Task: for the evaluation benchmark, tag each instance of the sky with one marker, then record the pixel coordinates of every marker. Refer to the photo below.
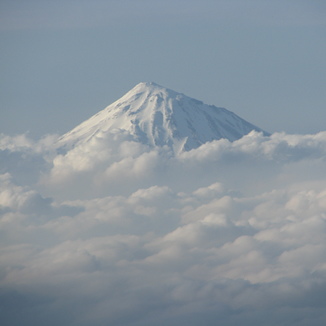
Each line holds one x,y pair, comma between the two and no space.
63,61
118,232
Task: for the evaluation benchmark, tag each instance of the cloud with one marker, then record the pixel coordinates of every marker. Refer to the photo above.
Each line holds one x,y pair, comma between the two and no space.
125,234
114,165
24,158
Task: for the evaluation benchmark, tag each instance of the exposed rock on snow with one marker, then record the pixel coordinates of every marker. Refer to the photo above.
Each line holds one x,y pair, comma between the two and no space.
158,116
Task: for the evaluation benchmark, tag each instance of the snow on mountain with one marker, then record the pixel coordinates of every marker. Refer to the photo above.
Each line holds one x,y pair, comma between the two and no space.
157,116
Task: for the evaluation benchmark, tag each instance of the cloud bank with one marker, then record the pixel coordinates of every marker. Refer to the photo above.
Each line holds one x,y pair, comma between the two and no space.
113,232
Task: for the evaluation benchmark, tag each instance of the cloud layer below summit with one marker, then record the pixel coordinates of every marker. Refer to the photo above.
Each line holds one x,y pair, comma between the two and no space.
117,232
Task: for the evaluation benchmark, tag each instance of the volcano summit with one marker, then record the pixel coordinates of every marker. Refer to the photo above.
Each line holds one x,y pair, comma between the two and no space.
157,116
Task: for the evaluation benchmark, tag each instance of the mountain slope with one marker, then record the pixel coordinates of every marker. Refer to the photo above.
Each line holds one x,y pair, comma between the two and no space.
158,116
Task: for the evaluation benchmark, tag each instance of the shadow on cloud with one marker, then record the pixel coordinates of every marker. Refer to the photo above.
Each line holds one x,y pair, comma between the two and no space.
119,233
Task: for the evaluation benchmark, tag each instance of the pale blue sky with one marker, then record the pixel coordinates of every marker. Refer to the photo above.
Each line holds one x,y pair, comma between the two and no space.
62,61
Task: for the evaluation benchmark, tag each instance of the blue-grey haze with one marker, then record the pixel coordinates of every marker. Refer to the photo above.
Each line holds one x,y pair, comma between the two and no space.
115,232
62,62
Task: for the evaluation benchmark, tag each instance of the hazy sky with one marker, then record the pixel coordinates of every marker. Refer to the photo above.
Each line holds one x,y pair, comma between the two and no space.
62,61
117,232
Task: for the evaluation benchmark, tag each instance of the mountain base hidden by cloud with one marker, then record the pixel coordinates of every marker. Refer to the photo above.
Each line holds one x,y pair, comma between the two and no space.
161,210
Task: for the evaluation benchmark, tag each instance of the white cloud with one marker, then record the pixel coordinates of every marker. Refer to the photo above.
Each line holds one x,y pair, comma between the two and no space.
233,232
24,158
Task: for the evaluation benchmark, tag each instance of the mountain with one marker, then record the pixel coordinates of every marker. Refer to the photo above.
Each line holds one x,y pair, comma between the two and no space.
158,116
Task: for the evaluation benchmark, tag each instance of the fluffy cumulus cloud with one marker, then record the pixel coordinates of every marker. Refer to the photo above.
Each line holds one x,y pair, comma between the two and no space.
113,232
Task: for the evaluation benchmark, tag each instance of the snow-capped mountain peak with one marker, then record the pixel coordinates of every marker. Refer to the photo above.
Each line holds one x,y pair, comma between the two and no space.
158,116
